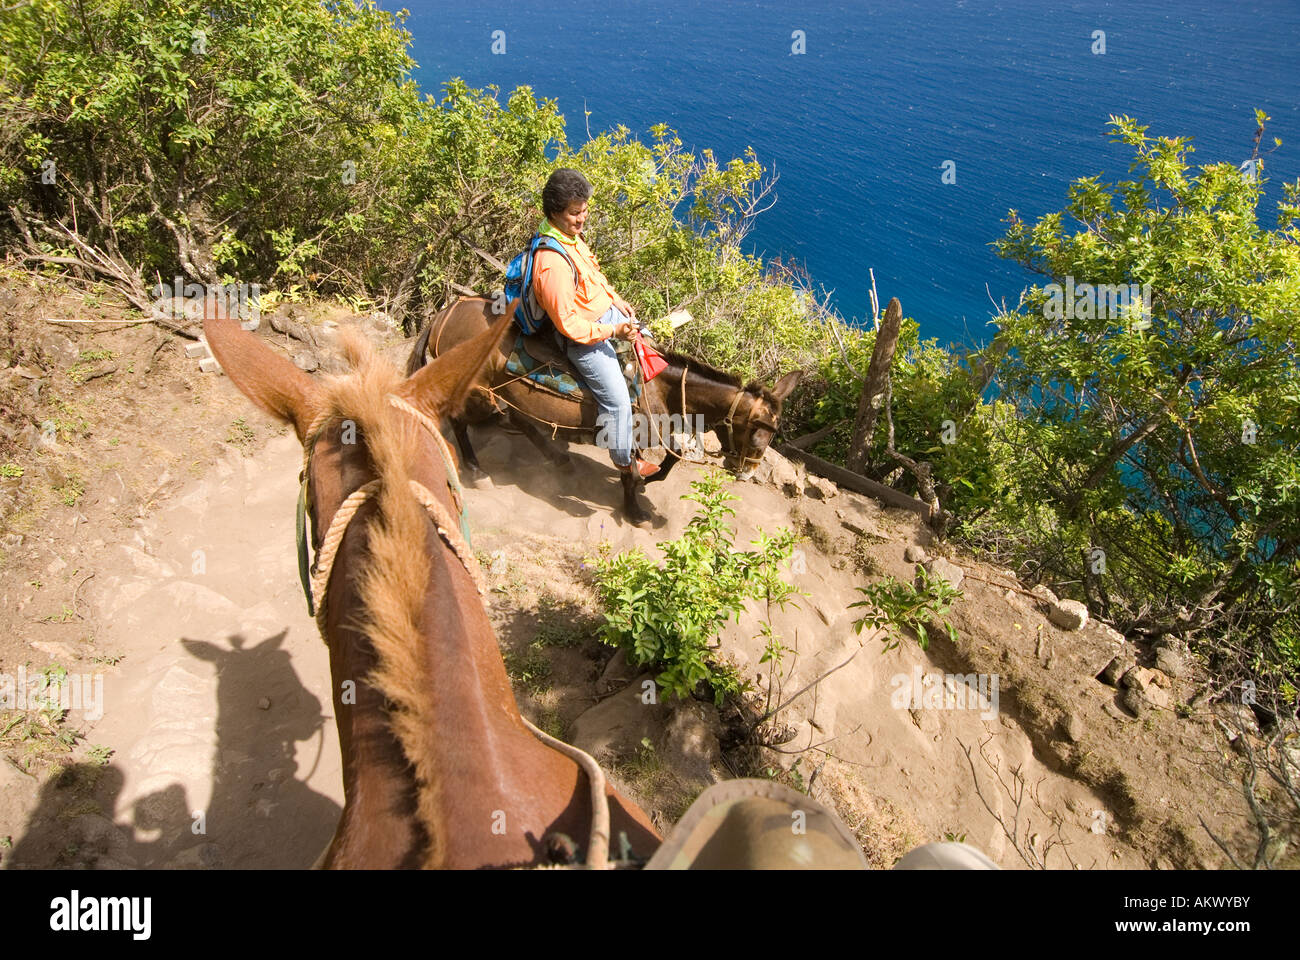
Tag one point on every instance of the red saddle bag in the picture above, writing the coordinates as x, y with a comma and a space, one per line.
652, 362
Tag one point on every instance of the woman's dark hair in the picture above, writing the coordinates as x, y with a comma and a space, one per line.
563, 188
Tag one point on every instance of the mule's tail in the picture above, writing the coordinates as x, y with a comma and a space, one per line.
417, 358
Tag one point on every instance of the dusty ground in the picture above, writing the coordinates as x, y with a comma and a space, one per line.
151, 543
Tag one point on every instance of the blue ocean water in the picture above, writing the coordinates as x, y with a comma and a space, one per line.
859, 127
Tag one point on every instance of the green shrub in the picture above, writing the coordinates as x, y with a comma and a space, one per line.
897, 606
669, 615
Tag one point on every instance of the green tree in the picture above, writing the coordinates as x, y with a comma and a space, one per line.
141, 139
1166, 437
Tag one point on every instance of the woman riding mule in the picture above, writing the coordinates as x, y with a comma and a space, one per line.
586, 312
745, 416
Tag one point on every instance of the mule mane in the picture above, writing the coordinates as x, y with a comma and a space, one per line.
398, 567
716, 373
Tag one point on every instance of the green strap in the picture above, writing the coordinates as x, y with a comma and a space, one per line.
304, 560
457, 494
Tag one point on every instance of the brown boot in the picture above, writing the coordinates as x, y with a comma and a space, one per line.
642, 468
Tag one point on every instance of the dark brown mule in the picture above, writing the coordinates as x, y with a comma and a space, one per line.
439, 769
745, 417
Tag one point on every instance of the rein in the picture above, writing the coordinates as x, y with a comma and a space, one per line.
727, 421
315, 580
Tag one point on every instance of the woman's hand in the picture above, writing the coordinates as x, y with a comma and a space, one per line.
624, 330
625, 308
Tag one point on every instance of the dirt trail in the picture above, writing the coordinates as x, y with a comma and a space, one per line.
908, 758
219, 716
219, 719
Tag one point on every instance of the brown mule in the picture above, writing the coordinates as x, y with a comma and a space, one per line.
439, 768
745, 417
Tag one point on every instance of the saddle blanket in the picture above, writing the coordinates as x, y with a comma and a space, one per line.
563, 379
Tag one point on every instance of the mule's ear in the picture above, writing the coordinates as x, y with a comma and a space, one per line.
268, 379
785, 386
442, 388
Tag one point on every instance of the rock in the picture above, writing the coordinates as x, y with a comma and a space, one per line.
689, 744
1114, 711
1118, 666
946, 570
819, 488
1171, 662
197, 349
1144, 682
779, 472
1073, 726
1157, 696
1138, 678
1161, 679
1133, 701
264, 703
55, 566
710, 443
853, 523
55, 650
617, 673
306, 360
614, 728
1110, 633
58, 349
1043, 594
1068, 614
210, 365
1139, 684
915, 554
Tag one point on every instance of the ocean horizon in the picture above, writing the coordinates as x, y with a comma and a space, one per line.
1006, 100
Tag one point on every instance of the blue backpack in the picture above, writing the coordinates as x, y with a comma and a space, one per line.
519, 282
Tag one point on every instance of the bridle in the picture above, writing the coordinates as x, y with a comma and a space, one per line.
315, 576
455, 533
747, 463
750, 463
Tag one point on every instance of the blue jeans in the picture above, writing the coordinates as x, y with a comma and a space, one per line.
598, 365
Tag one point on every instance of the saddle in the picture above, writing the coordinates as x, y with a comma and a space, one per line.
538, 358
752, 824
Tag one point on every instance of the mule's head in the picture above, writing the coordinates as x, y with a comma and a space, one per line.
753, 424
340, 463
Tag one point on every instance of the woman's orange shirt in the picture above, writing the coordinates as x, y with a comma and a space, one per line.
574, 307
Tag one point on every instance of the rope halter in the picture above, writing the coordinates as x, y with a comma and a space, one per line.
315, 576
